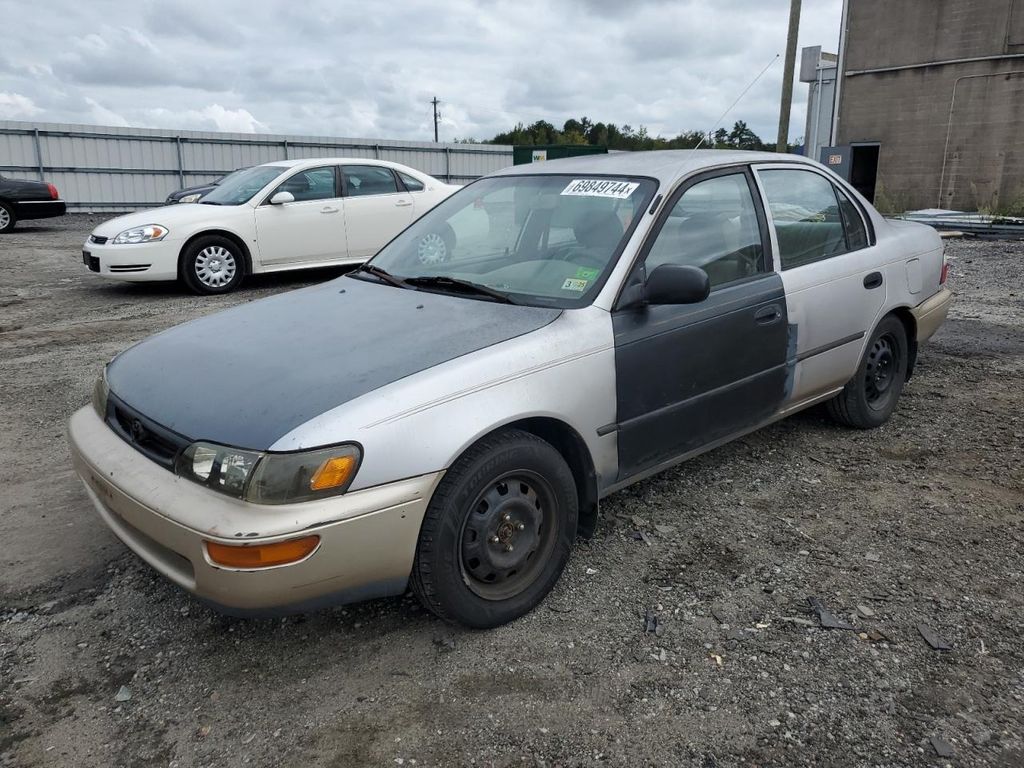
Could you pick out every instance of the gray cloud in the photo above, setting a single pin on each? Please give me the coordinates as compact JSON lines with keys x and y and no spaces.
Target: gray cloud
{"x":352,"y":69}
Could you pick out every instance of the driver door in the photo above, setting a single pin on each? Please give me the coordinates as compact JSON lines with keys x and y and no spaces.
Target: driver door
{"x":690,"y":375}
{"x":309,"y":230}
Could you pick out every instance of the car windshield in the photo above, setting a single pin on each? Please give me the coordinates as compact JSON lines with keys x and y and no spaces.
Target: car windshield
{"x":240,"y":186}
{"x":549,"y":240}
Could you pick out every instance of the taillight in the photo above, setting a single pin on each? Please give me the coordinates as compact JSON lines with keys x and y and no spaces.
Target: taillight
{"x":53,"y":192}
{"x":945,"y":273}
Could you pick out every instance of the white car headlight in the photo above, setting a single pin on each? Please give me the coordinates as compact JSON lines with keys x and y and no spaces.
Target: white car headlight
{"x":147,"y":234}
{"x":271,"y":478}
{"x":194,"y":197}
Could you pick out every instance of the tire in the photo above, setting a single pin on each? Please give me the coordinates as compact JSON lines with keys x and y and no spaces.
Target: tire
{"x":869,"y":398}
{"x":212,"y":265}
{"x":497,"y":532}
{"x":7,"y":218}
{"x":436,"y":247}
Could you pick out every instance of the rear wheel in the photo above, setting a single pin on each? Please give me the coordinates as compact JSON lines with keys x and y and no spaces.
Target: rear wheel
{"x":498,"y":531}
{"x":7,"y":218}
{"x":212,"y":264}
{"x":870,"y":397}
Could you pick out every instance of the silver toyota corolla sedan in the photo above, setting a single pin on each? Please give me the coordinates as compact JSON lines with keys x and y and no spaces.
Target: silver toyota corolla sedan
{"x":452,"y":424}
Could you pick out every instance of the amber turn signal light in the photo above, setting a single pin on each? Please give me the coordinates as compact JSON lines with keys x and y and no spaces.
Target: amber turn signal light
{"x":332,"y":473}
{"x":261,"y":555}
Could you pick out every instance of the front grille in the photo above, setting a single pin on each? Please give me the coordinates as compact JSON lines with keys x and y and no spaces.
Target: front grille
{"x":145,"y":435}
{"x":128,"y":267}
{"x":99,"y":240}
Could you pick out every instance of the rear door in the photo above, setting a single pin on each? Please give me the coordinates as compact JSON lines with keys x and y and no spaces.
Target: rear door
{"x":690,"y":375}
{"x":375,"y":208}
{"x":310,"y":229}
{"x":834,"y":284}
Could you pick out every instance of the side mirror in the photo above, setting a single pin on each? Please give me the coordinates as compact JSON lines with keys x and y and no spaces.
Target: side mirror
{"x":677,"y":284}
{"x":280,"y":198}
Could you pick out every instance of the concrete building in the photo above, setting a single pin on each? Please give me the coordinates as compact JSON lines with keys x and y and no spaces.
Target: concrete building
{"x":931,"y":103}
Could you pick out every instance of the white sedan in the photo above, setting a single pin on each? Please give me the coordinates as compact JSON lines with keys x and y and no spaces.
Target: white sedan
{"x":293,"y":214}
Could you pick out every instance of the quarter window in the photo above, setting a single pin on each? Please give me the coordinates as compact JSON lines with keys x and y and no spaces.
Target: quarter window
{"x":712,"y":226}
{"x":411,"y":184}
{"x":313,"y":184}
{"x":362,"y":180}
{"x":856,"y":234}
{"x":808,"y":224}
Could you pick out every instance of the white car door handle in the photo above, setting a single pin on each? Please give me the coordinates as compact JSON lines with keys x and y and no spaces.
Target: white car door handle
{"x":328,"y":209}
{"x":403,"y":203}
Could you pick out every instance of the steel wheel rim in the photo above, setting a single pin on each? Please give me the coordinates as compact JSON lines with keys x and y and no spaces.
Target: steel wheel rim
{"x":508,"y":535}
{"x":215,"y":266}
{"x":881,"y":370}
{"x":432,"y":249}
{"x":5,"y":218}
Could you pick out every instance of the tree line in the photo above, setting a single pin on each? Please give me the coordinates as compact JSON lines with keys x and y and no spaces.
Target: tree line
{"x":585,"y":131}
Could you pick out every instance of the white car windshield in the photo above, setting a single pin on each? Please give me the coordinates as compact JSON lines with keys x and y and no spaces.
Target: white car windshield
{"x":239,"y":187}
{"x":547,"y":239}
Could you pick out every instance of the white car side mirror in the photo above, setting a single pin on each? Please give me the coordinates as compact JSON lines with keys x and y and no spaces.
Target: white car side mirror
{"x":282,"y":197}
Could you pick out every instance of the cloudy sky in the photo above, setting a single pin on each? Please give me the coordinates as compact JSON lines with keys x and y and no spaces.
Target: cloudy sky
{"x":365,"y":69}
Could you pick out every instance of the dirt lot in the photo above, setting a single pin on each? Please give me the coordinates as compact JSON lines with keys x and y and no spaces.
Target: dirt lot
{"x":919,"y":522}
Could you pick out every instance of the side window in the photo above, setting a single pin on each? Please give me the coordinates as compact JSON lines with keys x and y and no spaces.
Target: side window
{"x":805,"y":210}
{"x":856,"y":233}
{"x":713,"y":226}
{"x":413,"y":185}
{"x":362,"y":180}
{"x":314,"y":184}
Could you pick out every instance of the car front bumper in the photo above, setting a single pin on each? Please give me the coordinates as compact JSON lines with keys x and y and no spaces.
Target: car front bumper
{"x":367,"y":537}
{"x":139,"y":262}
{"x":931,"y":313}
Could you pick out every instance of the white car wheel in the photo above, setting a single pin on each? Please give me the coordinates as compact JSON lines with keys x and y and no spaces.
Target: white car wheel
{"x":432,"y":249}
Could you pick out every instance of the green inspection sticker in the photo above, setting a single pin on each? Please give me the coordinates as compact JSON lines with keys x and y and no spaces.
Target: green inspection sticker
{"x":572,"y":284}
{"x":586,"y":273}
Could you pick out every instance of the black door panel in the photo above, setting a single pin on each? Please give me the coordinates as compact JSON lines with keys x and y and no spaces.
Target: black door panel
{"x":687,"y":375}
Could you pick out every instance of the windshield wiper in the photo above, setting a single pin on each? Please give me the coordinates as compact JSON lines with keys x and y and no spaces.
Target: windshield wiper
{"x":381,"y":274}
{"x":461,"y":286}
{"x":210,"y":202}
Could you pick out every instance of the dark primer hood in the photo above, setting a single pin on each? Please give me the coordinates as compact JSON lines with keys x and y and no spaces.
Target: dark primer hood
{"x":247,"y":376}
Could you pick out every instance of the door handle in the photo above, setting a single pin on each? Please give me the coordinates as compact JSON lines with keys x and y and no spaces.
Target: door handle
{"x":329,"y":210}
{"x":873,"y":280}
{"x":768,"y":315}
{"x":403,"y":203}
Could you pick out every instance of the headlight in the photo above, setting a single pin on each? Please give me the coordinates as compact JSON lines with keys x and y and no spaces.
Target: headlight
{"x":194,"y":197}
{"x":271,"y":478}
{"x":100,"y":390}
{"x":146,"y":234}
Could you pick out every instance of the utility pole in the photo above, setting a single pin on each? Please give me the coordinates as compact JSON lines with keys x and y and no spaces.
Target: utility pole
{"x":787,"y":77}
{"x":435,"y":102}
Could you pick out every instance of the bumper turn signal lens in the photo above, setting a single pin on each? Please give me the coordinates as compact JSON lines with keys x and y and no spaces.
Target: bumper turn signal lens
{"x":332,"y":473}
{"x":261,"y":555}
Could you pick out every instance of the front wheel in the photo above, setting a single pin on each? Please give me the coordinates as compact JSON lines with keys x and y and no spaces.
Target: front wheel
{"x":212,"y":264}
{"x":7,"y":218}
{"x":870,"y":397}
{"x":498,"y":531}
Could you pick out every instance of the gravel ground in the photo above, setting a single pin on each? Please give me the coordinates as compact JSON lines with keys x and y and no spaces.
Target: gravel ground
{"x":917,"y":523}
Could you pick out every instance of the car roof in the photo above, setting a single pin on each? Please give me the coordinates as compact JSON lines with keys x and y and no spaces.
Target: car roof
{"x":664,"y":165}
{"x":313,"y":161}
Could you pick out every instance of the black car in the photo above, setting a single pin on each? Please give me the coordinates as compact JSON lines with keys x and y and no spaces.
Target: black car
{"x":195,"y":194}
{"x":20,"y":199}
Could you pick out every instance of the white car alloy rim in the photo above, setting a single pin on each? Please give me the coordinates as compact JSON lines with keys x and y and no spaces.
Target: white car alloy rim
{"x":5,"y":218}
{"x":432,"y":249}
{"x":215,"y":266}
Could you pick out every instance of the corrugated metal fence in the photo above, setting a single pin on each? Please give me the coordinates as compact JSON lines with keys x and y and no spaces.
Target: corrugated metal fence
{"x":99,"y":168}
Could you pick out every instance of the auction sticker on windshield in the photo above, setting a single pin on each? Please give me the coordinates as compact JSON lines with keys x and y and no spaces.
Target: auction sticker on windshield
{"x":619,"y":190}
